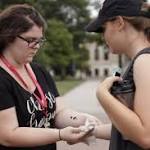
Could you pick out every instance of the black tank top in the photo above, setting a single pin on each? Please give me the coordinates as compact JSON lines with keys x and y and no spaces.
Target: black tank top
{"x":117,"y":141}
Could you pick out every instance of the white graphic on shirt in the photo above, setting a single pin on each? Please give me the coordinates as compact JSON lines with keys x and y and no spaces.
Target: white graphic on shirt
{"x":33,"y":106}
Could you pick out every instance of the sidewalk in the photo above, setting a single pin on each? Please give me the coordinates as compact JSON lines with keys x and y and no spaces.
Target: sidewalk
{"x":83,"y":99}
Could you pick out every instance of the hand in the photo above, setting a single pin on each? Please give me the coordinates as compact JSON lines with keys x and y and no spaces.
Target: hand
{"x":83,"y":140}
{"x":103,"y":131}
{"x":92,"y":119}
{"x":96,"y":130}
{"x":90,"y":123}
{"x":73,"y":135}
{"x":105,"y":86}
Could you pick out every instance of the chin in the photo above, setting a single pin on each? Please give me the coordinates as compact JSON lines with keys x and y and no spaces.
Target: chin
{"x":29,"y":60}
{"x":114,"y":51}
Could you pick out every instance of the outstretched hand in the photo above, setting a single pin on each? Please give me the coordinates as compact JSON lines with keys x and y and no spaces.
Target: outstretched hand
{"x":73,"y":135}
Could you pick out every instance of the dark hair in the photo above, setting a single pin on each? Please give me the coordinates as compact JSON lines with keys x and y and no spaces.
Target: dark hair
{"x":17,"y":19}
{"x":140,"y":24}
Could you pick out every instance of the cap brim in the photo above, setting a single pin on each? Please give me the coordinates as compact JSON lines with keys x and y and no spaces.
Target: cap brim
{"x":95,"y":25}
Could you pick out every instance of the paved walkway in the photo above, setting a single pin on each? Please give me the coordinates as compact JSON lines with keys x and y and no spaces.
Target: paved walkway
{"x":82,"y":98}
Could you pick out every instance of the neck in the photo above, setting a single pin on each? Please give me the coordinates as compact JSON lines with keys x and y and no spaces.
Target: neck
{"x":136,"y":44}
{"x":11,"y":59}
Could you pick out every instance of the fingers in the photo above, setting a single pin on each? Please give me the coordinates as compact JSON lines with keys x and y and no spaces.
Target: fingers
{"x":88,"y":134}
{"x":94,"y":120}
{"x":75,"y":135}
{"x":76,"y":130}
{"x":108,"y":82}
{"x":78,"y":137}
{"x":70,"y":143}
{"x":117,"y":78}
{"x":113,"y":79}
{"x":88,"y":138}
{"x":81,"y":135}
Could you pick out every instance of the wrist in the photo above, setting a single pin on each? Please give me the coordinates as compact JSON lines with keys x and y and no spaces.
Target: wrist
{"x":102,"y":94}
{"x":59,"y":135}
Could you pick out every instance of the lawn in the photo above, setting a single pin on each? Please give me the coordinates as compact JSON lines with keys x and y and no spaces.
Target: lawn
{"x":67,"y":85}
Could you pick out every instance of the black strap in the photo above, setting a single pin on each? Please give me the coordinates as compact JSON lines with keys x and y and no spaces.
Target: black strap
{"x":144,"y":51}
{"x":130,"y":67}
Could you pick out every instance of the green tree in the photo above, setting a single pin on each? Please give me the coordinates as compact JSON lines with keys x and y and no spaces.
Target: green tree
{"x":75,"y":16}
{"x":82,"y":60}
{"x":59,"y":47}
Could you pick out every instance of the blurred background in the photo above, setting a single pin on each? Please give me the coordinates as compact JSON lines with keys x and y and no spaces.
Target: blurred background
{"x":77,"y":60}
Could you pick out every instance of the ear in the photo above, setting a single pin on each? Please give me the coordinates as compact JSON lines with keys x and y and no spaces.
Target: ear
{"x":120,"y":23}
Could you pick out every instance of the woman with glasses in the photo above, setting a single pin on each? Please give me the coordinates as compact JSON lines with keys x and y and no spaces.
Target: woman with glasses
{"x":31,"y":110}
{"x":125,"y":25}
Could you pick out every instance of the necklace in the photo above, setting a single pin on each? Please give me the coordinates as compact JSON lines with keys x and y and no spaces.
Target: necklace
{"x":41,"y":99}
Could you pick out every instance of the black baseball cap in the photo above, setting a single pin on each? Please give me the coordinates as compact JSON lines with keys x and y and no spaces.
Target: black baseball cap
{"x":113,"y":8}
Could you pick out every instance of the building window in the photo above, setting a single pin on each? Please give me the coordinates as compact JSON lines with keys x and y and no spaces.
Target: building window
{"x":106,"y":72}
{"x":106,"y":55}
{"x":96,"y":54}
{"x":96,"y":72}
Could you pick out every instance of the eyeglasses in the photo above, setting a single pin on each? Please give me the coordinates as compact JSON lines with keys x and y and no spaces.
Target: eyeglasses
{"x":32,"y":42}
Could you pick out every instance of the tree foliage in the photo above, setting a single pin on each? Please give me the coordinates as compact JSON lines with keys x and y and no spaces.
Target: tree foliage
{"x":59,"y":45}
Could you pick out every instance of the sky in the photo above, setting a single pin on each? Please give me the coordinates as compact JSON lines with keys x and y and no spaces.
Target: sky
{"x":94,"y":12}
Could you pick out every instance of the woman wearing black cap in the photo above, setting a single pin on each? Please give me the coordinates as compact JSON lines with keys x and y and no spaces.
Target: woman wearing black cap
{"x":125,"y":25}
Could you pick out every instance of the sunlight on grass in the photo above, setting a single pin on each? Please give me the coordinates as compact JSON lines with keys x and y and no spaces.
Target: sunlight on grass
{"x":67,"y":85}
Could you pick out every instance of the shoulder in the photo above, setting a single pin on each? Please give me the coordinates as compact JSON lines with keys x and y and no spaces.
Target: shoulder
{"x":142,"y":61}
{"x":141,"y":68}
{"x":5,"y":78}
{"x":6,"y":85}
{"x":35,"y":65}
{"x":40,"y":69}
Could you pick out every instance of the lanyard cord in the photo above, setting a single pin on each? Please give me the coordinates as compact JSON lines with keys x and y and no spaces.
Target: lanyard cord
{"x":42,"y":99}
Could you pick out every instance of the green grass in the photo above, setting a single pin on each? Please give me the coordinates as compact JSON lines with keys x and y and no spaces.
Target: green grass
{"x":67,"y":85}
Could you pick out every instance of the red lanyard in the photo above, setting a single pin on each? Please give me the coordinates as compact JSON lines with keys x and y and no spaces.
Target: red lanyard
{"x":42,"y":99}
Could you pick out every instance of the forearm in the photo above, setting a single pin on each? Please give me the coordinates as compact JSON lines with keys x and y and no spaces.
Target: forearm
{"x":28,"y":137}
{"x":103,"y":131}
{"x":125,"y":120}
